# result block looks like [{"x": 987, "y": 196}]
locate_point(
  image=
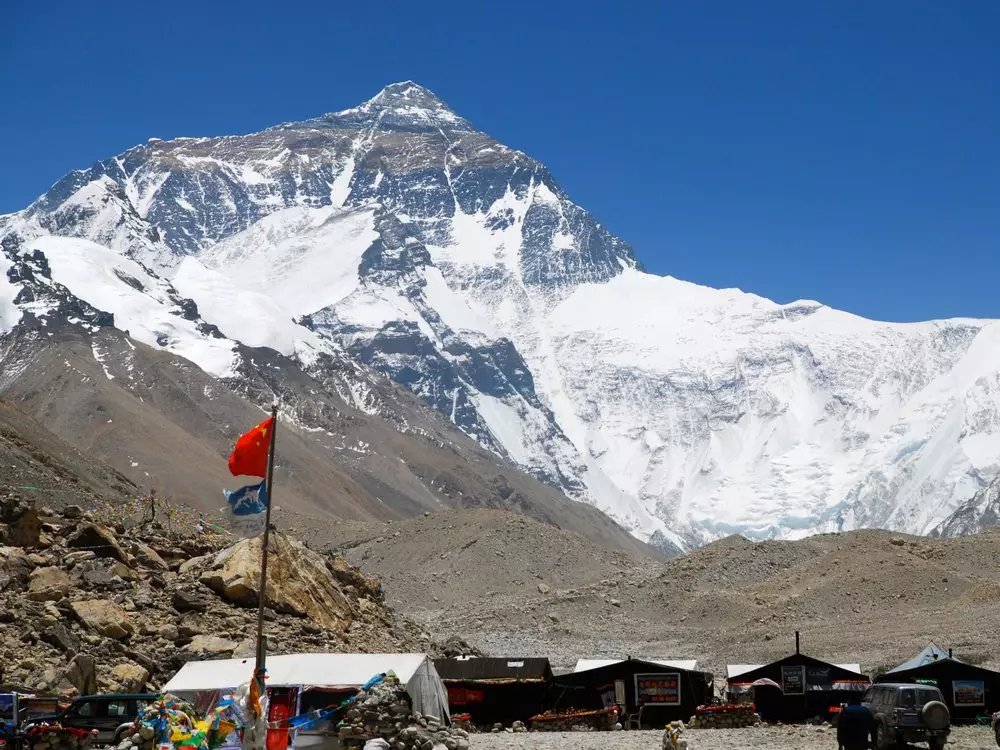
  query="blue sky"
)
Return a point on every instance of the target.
[{"x": 843, "y": 151}]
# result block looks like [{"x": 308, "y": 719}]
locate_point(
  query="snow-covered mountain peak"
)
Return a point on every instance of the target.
[
  {"x": 404, "y": 106},
  {"x": 396, "y": 234}
]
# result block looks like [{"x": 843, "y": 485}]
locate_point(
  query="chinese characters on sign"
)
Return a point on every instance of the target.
[{"x": 658, "y": 689}]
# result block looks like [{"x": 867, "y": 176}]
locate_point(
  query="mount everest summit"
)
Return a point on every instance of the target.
[{"x": 394, "y": 238}]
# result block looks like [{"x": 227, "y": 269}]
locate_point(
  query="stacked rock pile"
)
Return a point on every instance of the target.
[
  {"x": 141, "y": 738},
  {"x": 604, "y": 719},
  {"x": 58, "y": 738},
  {"x": 384, "y": 712},
  {"x": 725, "y": 717}
]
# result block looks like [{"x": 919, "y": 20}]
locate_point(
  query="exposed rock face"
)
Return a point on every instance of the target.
[
  {"x": 298, "y": 581},
  {"x": 104, "y": 617}
]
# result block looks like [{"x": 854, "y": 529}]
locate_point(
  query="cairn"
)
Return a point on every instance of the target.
[{"x": 384, "y": 711}]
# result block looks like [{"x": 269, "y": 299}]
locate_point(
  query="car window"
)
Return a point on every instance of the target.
[
  {"x": 118, "y": 709},
  {"x": 84, "y": 709},
  {"x": 140, "y": 705},
  {"x": 869, "y": 695},
  {"x": 926, "y": 695},
  {"x": 908, "y": 698}
]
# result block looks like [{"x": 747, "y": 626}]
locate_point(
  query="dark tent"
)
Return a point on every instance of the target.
[
  {"x": 969, "y": 691},
  {"x": 795, "y": 688},
  {"x": 662, "y": 693},
  {"x": 495, "y": 690}
]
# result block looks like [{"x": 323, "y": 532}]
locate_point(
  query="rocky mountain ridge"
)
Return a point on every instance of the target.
[{"x": 394, "y": 237}]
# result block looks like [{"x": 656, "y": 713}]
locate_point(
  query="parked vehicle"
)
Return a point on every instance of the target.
[
  {"x": 111, "y": 715},
  {"x": 908, "y": 713},
  {"x": 996, "y": 726}
]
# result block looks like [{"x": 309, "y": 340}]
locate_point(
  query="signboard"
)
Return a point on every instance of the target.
[
  {"x": 819, "y": 678},
  {"x": 459, "y": 696},
  {"x": 968, "y": 692},
  {"x": 793, "y": 680},
  {"x": 658, "y": 689}
]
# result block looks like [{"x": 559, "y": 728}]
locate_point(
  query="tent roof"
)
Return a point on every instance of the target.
[
  {"x": 583, "y": 665},
  {"x": 735, "y": 670},
  {"x": 485, "y": 668},
  {"x": 318, "y": 670},
  {"x": 931, "y": 654}
]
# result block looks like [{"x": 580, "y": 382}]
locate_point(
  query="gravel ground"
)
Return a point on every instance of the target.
[{"x": 785, "y": 738}]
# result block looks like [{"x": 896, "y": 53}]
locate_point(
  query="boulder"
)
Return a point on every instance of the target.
[
  {"x": 210, "y": 644},
  {"x": 77, "y": 557},
  {"x": 98, "y": 540},
  {"x": 299, "y": 581},
  {"x": 188, "y": 601},
  {"x": 26, "y": 530},
  {"x": 82, "y": 674},
  {"x": 149, "y": 557},
  {"x": 543, "y": 588},
  {"x": 131, "y": 678},
  {"x": 72, "y": 512},
  {"x": 48, "y": 584},
  {"x": 15, "y": 568},
  {"x": 58, "y": 636},
  {"x": 104, "y": 617}
]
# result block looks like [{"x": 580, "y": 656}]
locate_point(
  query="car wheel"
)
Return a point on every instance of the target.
[
  {"x": 937, "y": 743},
  {"x": 880, "y": 743},
  {"x": 996, "y": 731}
]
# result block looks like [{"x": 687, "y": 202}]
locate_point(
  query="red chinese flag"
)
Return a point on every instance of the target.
[{"x": 249, "y": 457}]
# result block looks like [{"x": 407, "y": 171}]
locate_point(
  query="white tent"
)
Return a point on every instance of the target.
[
  {"x": 582, "y": 665},
  {"x": 333, "y": 671}
]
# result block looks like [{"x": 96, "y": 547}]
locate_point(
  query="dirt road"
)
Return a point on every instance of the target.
[{"x": 771, "y": 738}]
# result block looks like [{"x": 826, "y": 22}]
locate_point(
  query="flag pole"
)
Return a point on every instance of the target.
[{"x": 258, "y": 671}]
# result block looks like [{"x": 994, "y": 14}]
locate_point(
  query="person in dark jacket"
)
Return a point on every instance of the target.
[{"x": 854, "y": 727}]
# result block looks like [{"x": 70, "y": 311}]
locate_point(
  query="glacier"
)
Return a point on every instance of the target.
[{"x": 458, "y": 267}]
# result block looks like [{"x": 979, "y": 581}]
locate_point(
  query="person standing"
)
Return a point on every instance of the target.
[{"x": 854, "y": 727}]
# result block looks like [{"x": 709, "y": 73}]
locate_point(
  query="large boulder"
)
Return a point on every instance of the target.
[
  {"x": 104, "y": 617},
  {"x": 130, "y": 678},
  {"x": 211, "y": 645},
  {"x": 298, "y": 580},
  {"x": 82, "y": 674},
  {"x": 98, "y": 540},
  {"x": 48, "y": 584},
  {"x": 58, "y": 636},
  {"x": 15, "y": 568}
]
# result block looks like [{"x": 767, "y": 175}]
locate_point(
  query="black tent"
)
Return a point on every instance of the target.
[
  {"x": 969, "y": 691},
  {"x": 795, "y": 688},
  {"x": 663, "y": 693},
  {"x": 492, "y": 690}
]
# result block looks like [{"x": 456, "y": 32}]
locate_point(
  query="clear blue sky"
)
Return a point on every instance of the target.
[{"x": 844, "y": 150}]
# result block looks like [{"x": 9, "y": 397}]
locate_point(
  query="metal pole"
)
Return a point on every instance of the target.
[{"x": 261, "y": 648}]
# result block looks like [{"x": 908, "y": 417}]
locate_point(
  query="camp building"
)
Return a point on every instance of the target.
[
  {"x": 650, "y": 693},
  {"x": 492, "y": 690},
  {"x": 795, "y": 688},
  {"x": 969, "y": 691}
]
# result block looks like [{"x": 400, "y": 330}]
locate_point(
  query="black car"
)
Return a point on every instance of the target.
[
  {"x": 908, "y": 713},
  {"x": 111, "y": 715}
]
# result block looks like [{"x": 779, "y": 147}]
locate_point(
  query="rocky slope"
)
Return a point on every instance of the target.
[
  {"x": 397, "y": 237},
  {"x": 979, "y": 513},
  {"x": 872, "y": 597},
  {"x": 86, "y": 608}
]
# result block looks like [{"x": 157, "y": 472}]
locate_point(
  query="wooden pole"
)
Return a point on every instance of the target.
[{"x": 258, "y": 671}]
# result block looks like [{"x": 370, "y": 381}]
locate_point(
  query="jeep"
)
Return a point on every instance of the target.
[
  {"x": 110, "y": 715},
  {"x": 908, "y": 713}
]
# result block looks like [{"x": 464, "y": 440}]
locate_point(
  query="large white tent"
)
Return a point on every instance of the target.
[{"x": 331, "y": 671}]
